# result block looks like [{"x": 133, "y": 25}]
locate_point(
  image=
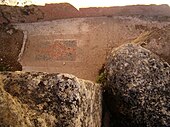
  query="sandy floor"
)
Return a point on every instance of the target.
[{"x": 77, "y": 46}]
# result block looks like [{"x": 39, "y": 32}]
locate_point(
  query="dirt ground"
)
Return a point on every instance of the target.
[
  {"x": 78, "y": 46},
  {"x": 157, "y": 41},
  {"x": 10, "y": 46}
]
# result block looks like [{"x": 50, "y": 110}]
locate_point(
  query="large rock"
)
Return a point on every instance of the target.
[
  {"x": 48, "y": 100},
  {"x": 137, "y": 88}
]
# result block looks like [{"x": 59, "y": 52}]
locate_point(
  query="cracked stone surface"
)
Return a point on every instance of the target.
[
  {"x": 138, "y": 88},
  {"x": 36, "y": 99}
]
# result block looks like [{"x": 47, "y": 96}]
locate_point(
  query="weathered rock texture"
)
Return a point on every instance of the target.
[
  {"x": 157, "y": 41},
  {"x": 48, "y": 100},
  {"x": 11, "y": 41},
  {"x": 138, "y": 92}
]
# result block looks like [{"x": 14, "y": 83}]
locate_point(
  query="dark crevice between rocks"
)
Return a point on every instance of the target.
[
  {"x": 106, "y": 112},
  {"x": 135, "y": 95},
  {"x": 112, "y": 116},
  {"x": 111, "y": 112},
  {"x": 9, "y": 64}
]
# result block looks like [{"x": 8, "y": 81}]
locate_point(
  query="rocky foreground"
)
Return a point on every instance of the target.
[
  {"x": 48, "y": 100},
  {"x": 136, "y": 85}
]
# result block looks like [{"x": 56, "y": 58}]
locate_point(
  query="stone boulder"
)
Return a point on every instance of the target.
[
  {"x": 137, "y": 90},
  {"x": 29, "y": 99}
]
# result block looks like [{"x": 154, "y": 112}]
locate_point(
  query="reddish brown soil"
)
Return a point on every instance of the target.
[
  {"x": 58, "y": 11},
  {"x": 48, "y": 48},
  {"x": 136, "y": 10},
  {"x": 10, "y": 45},
  {"x": 157, "y": 41},
  {"x": 50, "y": 12},
  {"x": 78, "y": 46}
]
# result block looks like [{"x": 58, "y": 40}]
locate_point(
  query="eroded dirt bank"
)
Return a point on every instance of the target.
[{"x": 50, "y": 12}]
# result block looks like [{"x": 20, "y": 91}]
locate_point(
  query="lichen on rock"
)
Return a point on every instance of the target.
[
  {"x": 53, "y": 100},
  {"x": 138, "y": 88}
]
